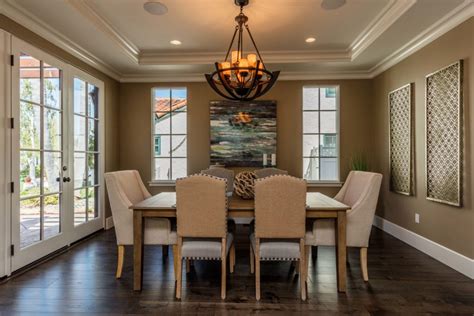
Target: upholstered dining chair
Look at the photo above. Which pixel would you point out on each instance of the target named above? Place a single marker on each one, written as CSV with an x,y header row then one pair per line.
x,y
280,216
201,210
266,172
126,188
225,174
360,192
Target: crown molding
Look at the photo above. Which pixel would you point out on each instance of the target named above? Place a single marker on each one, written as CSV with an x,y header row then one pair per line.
x,y
14,11
284,76
389,15
86,10
455,17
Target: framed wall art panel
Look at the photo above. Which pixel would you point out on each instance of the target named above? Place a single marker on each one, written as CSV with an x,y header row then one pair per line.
x,y
444,137
401,140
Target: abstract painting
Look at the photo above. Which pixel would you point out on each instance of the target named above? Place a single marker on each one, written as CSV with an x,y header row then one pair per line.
x,y
401,140
241,132
444,135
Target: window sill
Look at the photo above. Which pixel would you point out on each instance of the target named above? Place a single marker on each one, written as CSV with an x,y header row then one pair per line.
x,y
170,183
324,184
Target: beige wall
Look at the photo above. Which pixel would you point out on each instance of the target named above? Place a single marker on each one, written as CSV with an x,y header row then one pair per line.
x,y
135,124
450,226
111,88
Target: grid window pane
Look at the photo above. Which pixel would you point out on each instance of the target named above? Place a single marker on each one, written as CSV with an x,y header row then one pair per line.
x,y
52,219
79,133
92,135
79,170
79,96
320,139
80,206
30,221
310,145
310,98
310,122
52,129
52,172
162,123
52,86
328,122
30,173
92,101
30,78
30,125
169,128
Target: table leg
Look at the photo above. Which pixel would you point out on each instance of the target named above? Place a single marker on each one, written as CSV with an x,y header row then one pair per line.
x,y
137,250
341,251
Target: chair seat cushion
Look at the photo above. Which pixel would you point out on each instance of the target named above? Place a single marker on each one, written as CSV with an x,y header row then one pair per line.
x,y
205,248
158,232
277,250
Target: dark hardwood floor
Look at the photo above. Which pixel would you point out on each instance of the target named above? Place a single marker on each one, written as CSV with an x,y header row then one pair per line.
x,y
402,280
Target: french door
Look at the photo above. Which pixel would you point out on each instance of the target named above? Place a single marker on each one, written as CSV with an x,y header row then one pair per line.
x,y
55,154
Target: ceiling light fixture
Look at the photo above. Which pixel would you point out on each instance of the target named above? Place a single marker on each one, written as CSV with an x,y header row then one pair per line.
x,y
332,4
310,40
237,77
155,7
175,42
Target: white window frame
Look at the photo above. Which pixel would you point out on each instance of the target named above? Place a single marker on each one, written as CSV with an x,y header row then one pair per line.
x,y
328,183
155,182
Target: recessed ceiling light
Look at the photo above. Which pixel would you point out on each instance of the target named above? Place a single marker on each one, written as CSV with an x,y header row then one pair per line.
x,y
155,8
332,4
310,40
175,42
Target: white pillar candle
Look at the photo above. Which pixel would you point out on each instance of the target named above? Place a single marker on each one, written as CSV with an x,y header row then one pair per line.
x,y
274,159
265,159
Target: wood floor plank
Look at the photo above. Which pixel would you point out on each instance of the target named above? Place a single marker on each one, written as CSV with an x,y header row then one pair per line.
x,y
402,280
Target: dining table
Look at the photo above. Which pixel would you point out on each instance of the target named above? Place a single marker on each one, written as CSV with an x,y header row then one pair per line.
x,y
163,205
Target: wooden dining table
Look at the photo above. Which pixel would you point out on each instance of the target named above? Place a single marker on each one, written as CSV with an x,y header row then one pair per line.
x,y
163,205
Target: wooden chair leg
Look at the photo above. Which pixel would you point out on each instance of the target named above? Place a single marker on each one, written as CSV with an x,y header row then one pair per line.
x,y
257,269
121,254
175,261
165,250
223,268
252,261
307,250
363,264
179,269
188,265
232,258
302,270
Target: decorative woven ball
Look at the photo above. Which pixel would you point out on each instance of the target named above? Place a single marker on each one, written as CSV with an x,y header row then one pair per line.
x,y
243,184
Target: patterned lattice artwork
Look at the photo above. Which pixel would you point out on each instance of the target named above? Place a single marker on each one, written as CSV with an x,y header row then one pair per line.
x,y
444,135
401,144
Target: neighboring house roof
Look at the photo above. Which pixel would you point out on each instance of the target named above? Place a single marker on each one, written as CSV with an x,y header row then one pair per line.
x,y
162,106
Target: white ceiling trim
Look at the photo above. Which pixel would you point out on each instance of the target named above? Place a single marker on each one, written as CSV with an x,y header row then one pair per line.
x,y
289,76
391,13
457,16
204,58
86,10
12,10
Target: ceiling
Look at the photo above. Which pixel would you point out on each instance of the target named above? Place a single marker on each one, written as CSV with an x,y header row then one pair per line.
x,y
358,40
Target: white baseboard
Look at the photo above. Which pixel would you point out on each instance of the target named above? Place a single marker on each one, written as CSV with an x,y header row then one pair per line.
x,y
445,255
109,223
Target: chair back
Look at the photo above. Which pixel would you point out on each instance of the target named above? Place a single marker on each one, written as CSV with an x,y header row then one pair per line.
x,y
201,206
224,174
266,172
280,207
360,192
124,188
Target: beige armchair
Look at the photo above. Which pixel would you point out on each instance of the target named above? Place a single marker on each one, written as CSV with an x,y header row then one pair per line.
x,y
224,174
126,188
360,192
201,210
266,172
280,216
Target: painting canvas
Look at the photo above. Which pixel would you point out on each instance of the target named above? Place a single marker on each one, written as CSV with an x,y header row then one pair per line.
x,y
241,132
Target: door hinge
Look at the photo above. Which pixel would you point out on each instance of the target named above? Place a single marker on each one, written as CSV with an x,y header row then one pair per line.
x,y
12,187
12,60
12,122
12,250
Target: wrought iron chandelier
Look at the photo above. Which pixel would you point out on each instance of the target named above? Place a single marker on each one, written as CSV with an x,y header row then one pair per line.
x,y
240,78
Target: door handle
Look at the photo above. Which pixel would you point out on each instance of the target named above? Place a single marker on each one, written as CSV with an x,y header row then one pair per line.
x,y
66,179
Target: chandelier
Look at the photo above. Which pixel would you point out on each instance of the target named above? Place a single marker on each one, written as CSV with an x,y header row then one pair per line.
x,y
237,77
